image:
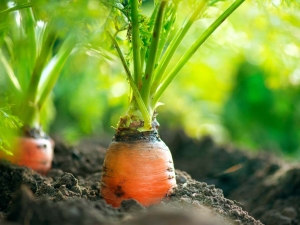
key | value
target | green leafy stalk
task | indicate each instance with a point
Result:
(29, 23)
(11, 75)
(150, 28)
(167, 27)
(31, 117)
(152, 54)
(17, 7)
(136, 43)
(38, 68)
(213, 2)
(135, 91)
(7, 121)
(166, 82)
(160, 70)
(52, 70)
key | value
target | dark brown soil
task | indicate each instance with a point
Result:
(266, 187)
(70, 193)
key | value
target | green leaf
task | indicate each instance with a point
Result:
(11, 75)
(51, 72)
(137, 97)
(7, 122)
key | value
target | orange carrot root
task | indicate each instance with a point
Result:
(141, 170)
(35, 153)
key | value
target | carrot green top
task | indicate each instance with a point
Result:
(153, 44)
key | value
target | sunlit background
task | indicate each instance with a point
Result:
(242, 87)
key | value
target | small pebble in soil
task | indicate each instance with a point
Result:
(45, 188)
(237, 222)
(84, 191)
(186, 200)
(55, 173)
(76, 189)
(289, 212)
(66, 179)
(58, 196)
(131, 206)
(180, 180)
(76, 154)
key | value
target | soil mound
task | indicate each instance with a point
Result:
(262, 185)
(70, 195)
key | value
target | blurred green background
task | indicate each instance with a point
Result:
(242, 87)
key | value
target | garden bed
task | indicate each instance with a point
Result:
(262, 185)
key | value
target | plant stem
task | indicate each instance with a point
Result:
(214, 2)
(151, 25)
(17, 7)
(136, 43)
(165, 37)
(166, 82)
(53, 69)
(135, 91)
(29, 24)
(152, 54)
(160, 70)
(31, 115)
(38, 68)
(10, 73)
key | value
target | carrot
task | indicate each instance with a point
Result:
(137, 169)
(32, 68)
(35, 153)
(138, 164)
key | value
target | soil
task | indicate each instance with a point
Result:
(263, 186)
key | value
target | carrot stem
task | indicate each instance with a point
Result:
(31, 116)
(53, 69)
(17, 7)
(159, 72)
(166, 82)
(142, 107)
(38, 68)
(166, 36)
(12, 77)
(151, 25)
(136, 43)
(152, 54)
(29, 24)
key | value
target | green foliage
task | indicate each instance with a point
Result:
(7, 122)
(259, 32)
(264, 36)
(202, 99)
(89, 99)
(152, 47)
(261, 117)
(36, 40)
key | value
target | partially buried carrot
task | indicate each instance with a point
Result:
(33, 151)
(139, 168)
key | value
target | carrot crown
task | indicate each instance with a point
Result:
(153, 43)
